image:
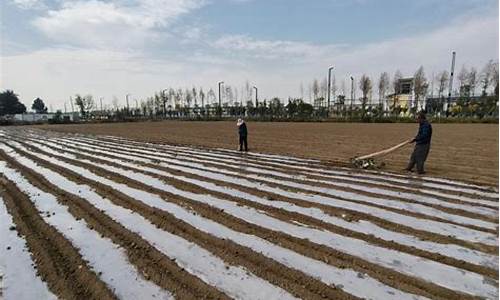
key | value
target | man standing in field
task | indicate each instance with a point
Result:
(422, 144)
(243, 132)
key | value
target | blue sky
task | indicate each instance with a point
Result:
(56, 48)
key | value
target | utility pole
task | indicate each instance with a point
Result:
(451, 82)
(71, 102)
(352, 92)
(100, 100)
(256, 97)
(220, 100)
(329, 88)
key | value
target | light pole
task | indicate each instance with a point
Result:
(100, 100)
(451, 82)
(220, 83)
(352, 92)
(256, 96)
(128, 107)
(329, 87)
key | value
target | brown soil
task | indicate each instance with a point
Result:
(290, 216)
(304, 247)
(294, 281)
(306, 182)
(58, 263)
(149, 261)
(354, 215)
(467, 152)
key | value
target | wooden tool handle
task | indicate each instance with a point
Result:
(384, 152)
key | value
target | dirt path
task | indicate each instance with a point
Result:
(459, 151)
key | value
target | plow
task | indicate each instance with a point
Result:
(368, 161)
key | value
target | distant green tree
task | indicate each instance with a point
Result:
(292, 108)
(38, 106)
(85, 104)
(57, 118)
(10, 104)
(305, 110)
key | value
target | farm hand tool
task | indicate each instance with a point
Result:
(367, 161)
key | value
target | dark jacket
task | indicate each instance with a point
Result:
(242, 130)
(424, 133)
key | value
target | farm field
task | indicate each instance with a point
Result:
(106, 217)
(467, 152)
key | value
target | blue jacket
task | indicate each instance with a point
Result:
(424, 133)
(242, 129)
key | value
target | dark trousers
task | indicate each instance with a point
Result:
(243, 141)
(418, 157)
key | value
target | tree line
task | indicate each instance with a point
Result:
(193, 102)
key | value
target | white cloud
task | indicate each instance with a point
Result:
(272, 49)
(475, 40)
(114, 24)
(276, 67)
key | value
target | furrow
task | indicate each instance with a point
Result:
(313, 217)
(454, 216)
(444, 183)
(102, 255)
(151, 263)
(233, 280)
(18, 278)
(58, 263)
(352, 178)
(387, 258)
(316, 164)
(279, 186)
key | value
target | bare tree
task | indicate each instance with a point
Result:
(333, 87)
(315, 89)
(228, 94)
(188, 97)
(178, 99)
(202, 97)
(235, 94)
(116, 103)
(323, 89)
(383, 87)
(494, 73)
(248, 91)
(85, 103)
(343, 88)
(195, 97)
(211, 97)
(365, 84)
(420, 86)
(486, 77)
(463, 76)
(443, 82)
(472, 80)
(310, 92)
(395, 82)
(171, 97)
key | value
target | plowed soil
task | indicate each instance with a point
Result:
(201, 223)
(467, 152)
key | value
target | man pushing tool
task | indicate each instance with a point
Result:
(422, 145)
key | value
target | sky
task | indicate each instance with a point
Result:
(54, 49)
